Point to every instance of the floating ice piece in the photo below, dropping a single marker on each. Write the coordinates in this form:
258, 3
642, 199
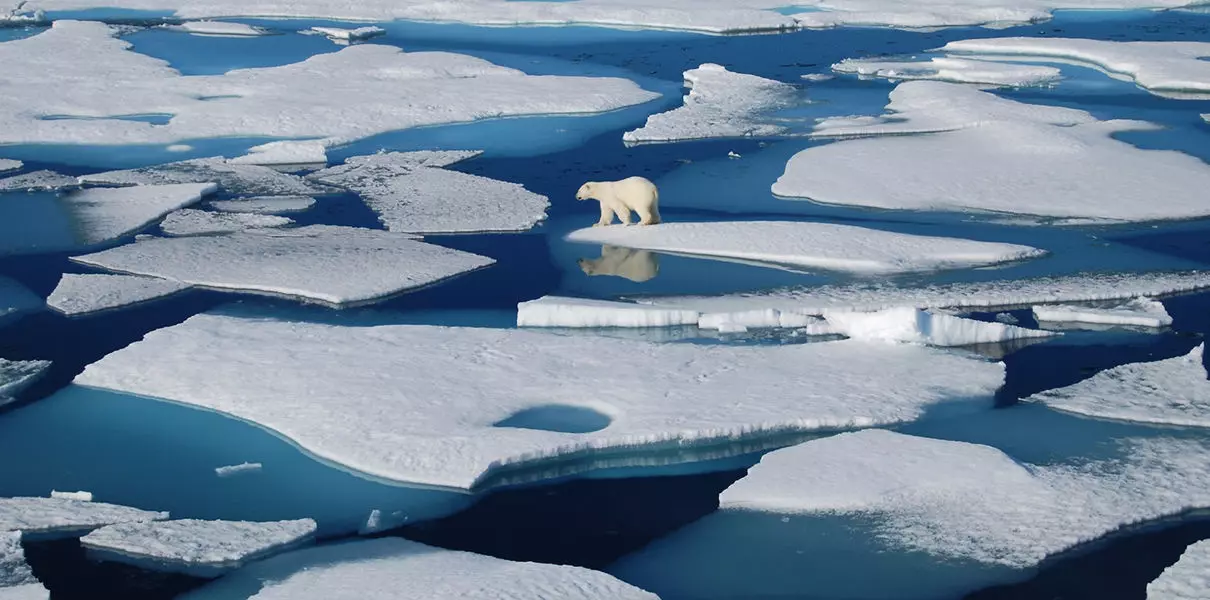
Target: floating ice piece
45, 518
16, 375
555, 311
37, 180
771, 318
1188, 579
337, 266
411, 195
189, 221
341, 34
720, 103
218, 28
196, 547
232, 470
912, 325
233, 178
265, 205
17, 581
978, 161
1170, 392
104, 214
81, 495
390, 377
952, 69
1139, 312
287, 152
7, 165
812, 245
82, 294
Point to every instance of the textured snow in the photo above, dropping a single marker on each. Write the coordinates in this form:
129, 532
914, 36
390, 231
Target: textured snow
81, 294
412, 194
557, 311
232, 470
1188, 579
37, 180
7, 165
1170, 392
952, 69
16, 375
342, 34
80, 69
912, 325
221, 28
233, 178
326, 264
265, 205
720, 103
196, 546
812, 245
17, 581
1139, 312
385, 401
62, 517
190, 221
284, 153
991, 154
101, 215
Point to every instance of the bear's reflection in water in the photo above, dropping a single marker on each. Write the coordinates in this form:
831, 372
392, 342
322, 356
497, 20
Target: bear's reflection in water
635, 265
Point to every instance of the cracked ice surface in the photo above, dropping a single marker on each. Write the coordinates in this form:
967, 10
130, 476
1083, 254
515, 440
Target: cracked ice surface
205, 548
1188, 579
17, 581
16, 375
234, 178
37, 180
190, 221
43, 518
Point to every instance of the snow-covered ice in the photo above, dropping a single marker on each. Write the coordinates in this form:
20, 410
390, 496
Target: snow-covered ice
16, 375
1188, 579
990, 154
809, 245
233, 470
1170, 392
265, 205
952, 69
102, 215
37, 180
720, 103
82, 294
289, 152
82, 496
17, 581
233, 178
7, 165
411, 193
1138, 312
219, 28
554, 311
190, 221
342, 34
337, 266
45, 518
383, 400
912, 325
196, 547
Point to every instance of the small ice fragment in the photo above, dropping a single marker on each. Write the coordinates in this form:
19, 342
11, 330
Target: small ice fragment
179, 148
1138, 312
265, 205
733, 154
10, 165
43, 180
82, 294
81, 496
287, 152
218, 28
956, 70
189, 221
46, 518
231, 470
349, 35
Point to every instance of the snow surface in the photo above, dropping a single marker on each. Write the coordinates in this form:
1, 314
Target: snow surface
912, 325
101, 215
80, 69
233, 178
10, 165
232, 470
37, 180
17, 581
812, 245
81, 294
288, 152
82, 496
383, 400
349, 35
991, 154
44, 518
1188, 579
391, 568
720, 103
265, 205
557, 311
16, 375
331, 265
206, 548
220, 28
190, 221
412, 194
1170, 392
1139, 312
952, 69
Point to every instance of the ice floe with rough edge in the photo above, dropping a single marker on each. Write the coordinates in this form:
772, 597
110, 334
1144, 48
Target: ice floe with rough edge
1167, 392
82, 294
218, 28
1138, 312
1188, 579
77, 495
337, 266
912, 325
17, 375
720, 103
265, 205
38, 180
196, 547
286, 152
951, 69
7, 165
80, 69
412, 193
50, 518
808, 245
371, 391
190, 221
346, 35
17, 581
101, 215
978, 148
231, 177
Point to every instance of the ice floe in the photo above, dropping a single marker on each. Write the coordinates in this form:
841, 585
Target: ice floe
554, 311
233, 470
45, 518
383, 400
196, 547
720, 103
16, 375
952, 69
1138, 312
7, 165
411, 193
233, 178
345, 35
284, 153
219, 28
17, 581
82, 294
337, 266
82, 496
979, 153
105, 214
912, 325
265, 205
190, 221
1188, 579
37, 180
1170, 392
808, 245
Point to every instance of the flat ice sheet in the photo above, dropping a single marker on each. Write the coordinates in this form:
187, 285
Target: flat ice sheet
7, 165
952, 69
810, 245
16, 375
419, 403
265, 205
304, 152
343, 34
43, 518
17, 581
196, 546
231, 177
37, 180
915, 326
82, 294
326, 264
1138, 312
105, 214
554, 311
1188, 579
219, 28
190, 221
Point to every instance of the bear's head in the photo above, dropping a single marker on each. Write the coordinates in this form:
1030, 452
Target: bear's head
588, 190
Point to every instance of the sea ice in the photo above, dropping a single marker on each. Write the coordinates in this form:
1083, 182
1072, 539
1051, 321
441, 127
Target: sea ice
993, 155
45, 518
265, 205
196, 547
7, 165
1188, 579
812, 245
554, 311
1138, 312
190, 221
82, 294
37, 180
1170, 392
105, 214
232, 470
219, 28
233, 178
337, 266
341, 34
912, 325
17, 581
952, 69
289, 152
82, 496
385, 401
720, 103
16, 375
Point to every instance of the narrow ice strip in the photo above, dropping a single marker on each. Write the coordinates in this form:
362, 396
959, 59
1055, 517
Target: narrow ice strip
190, 221
1139, 312
7, 165
231, 177
388, 379
951, 69
811, 245
233, 470
555, 311
265, 205
83, 294
720, 103
17, 375
17, 581
218, 28
1188, 579
45, 518
82, 496
38, 181
104, 214
912, 325
337, 266
1168, 392
993, 155
348, 35
196, 547
284, 153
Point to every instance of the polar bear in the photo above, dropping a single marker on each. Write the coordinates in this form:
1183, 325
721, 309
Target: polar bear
620, 197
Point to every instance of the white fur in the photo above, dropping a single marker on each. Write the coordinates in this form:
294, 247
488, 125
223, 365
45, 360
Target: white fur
621, 197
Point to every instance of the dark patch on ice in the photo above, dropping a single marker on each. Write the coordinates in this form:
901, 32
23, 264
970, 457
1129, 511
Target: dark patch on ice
562, 418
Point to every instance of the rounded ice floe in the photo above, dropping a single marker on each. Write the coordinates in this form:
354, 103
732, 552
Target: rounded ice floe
1188, 579
811, 245
17, 581
16, 375
38, 180
1139, 312
82, 294
196, 547
189, 221
218, 28
44, 518
233, 178
289, 152
265, 205
7, 165
912, 325
948, 68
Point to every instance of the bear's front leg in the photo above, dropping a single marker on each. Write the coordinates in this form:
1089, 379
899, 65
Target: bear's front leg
606, 216
623, 214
